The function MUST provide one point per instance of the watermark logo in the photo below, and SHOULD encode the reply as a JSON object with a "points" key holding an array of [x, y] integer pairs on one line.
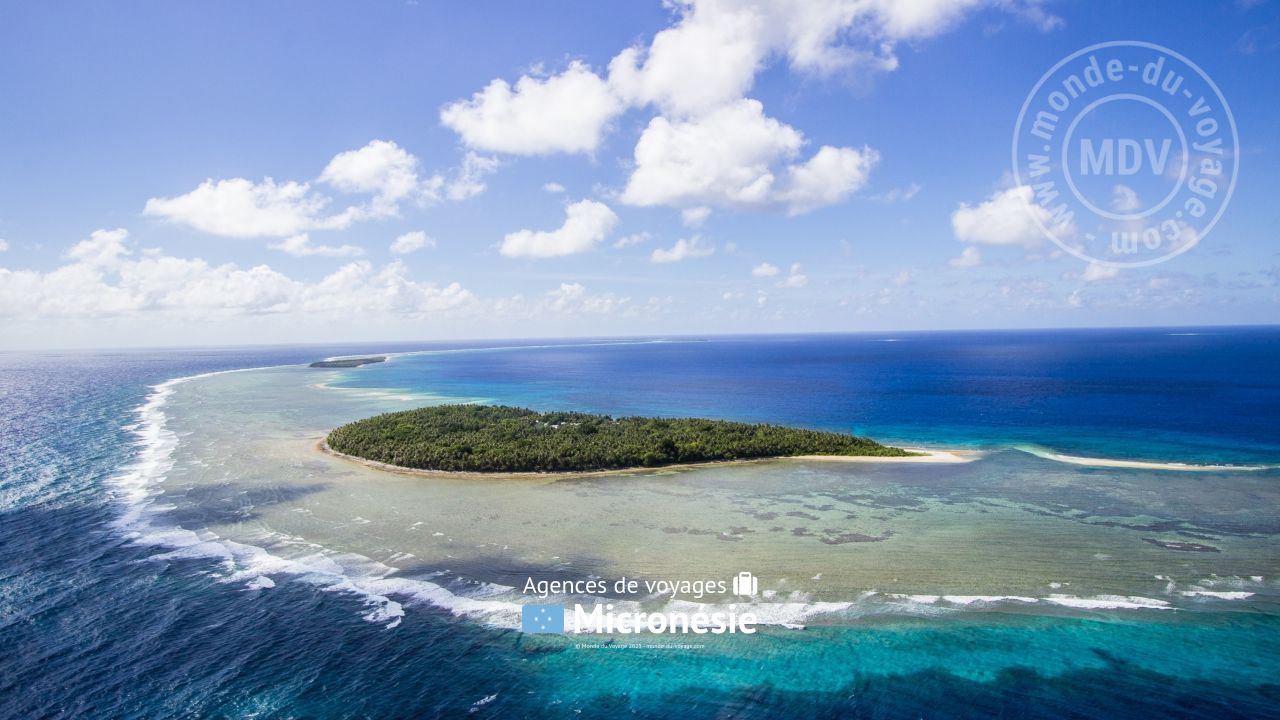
{"points": [[699, 617], [542, 619], [1130, 152]]}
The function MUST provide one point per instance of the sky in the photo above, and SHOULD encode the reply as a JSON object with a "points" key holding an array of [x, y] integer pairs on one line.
{"points": [[234, 173]]}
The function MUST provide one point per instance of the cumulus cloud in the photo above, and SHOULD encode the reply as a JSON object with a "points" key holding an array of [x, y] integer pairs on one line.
{"points": [[694, 217], [553, 187], [574, 298], [565, 113], [711, 146], [241, 208], [684, 249], [899, 194], [381, 168], [733, 157], [102, 249], [105, 278], [1007, 217], [1124, 199], [708, 58], [586, 223], [714, 50], [412, 242], [469, 180], [301, 246], [969, 257], [794, 279], [632, 239], [827, 178], [4, 245], [764, 270], [388, 174], [1097, 271], [722, 158]]}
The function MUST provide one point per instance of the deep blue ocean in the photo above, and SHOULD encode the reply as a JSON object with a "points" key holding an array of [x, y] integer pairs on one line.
{"points": [[93, 626]]}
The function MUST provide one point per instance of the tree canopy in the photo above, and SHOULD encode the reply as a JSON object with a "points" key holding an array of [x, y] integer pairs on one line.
{"points": [[496, 438]]}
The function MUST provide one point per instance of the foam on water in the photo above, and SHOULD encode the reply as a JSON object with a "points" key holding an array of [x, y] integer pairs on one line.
{"points": [[139, 487]]}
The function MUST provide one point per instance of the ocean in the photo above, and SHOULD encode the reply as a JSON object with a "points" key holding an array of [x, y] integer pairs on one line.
{"points": [[172, 543]]}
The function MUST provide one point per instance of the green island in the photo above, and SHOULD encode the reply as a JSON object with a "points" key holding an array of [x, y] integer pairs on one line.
{"points": [[501, 439]]}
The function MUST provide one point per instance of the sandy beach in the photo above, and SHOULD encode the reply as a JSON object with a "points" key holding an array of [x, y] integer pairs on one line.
{"points": [[1137, 464], [925, 456]]}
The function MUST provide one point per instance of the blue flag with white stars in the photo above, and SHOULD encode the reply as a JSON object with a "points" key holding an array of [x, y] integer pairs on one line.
{"points": [[542, 619]]}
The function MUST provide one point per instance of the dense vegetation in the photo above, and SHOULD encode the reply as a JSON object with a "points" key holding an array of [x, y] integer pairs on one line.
{"points": [[486, 438]]}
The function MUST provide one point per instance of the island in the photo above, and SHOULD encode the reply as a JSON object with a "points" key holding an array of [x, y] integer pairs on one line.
{"points": [[347, 362], [502, 439]]}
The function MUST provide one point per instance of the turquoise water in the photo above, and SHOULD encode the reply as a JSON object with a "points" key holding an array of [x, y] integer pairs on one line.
{"points": [[200, 558]]}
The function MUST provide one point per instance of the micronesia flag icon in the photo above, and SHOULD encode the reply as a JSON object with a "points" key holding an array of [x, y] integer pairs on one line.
{"points": [[542, 619]]}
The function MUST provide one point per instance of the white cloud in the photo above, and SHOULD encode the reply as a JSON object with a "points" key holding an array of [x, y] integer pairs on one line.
{"points": [[830, 176], [381, 168], [711, 55], [411, 242], [694, 217], [697, 73], [102, 249], [240, 208], [1007, 217], [586, 223], [632, 239], [765, 270], [105, 278], [574, 298], [469, 179], [300, 246], [722, 158], [563, 113], [900, 194], [1124, 199], [713, 52], [684, 249], [553, 187], [1097, 271], [708, 58], [969, 257], [713, 147], [733, 157], [4, 245], [794, 279]]}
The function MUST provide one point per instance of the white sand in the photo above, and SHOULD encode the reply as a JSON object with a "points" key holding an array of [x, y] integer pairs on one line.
{"points": [[1136, 464], [926, 456]]}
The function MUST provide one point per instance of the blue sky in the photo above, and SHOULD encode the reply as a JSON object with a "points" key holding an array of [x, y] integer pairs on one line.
{"points": [[575, 169]]}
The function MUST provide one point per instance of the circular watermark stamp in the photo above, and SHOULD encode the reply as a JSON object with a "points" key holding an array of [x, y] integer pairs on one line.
{"points": [[1129, 152]]}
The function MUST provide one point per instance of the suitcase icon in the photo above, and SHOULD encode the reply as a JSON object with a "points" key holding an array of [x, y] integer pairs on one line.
{"points": [[744, 584]]}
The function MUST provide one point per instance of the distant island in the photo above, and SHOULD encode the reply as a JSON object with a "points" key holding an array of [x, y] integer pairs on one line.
{"points": [[347, 362], [501, 439]]}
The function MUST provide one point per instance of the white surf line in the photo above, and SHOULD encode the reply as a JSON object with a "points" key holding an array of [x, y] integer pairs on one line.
{"points": [[138, 486], [1134, 464]]}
